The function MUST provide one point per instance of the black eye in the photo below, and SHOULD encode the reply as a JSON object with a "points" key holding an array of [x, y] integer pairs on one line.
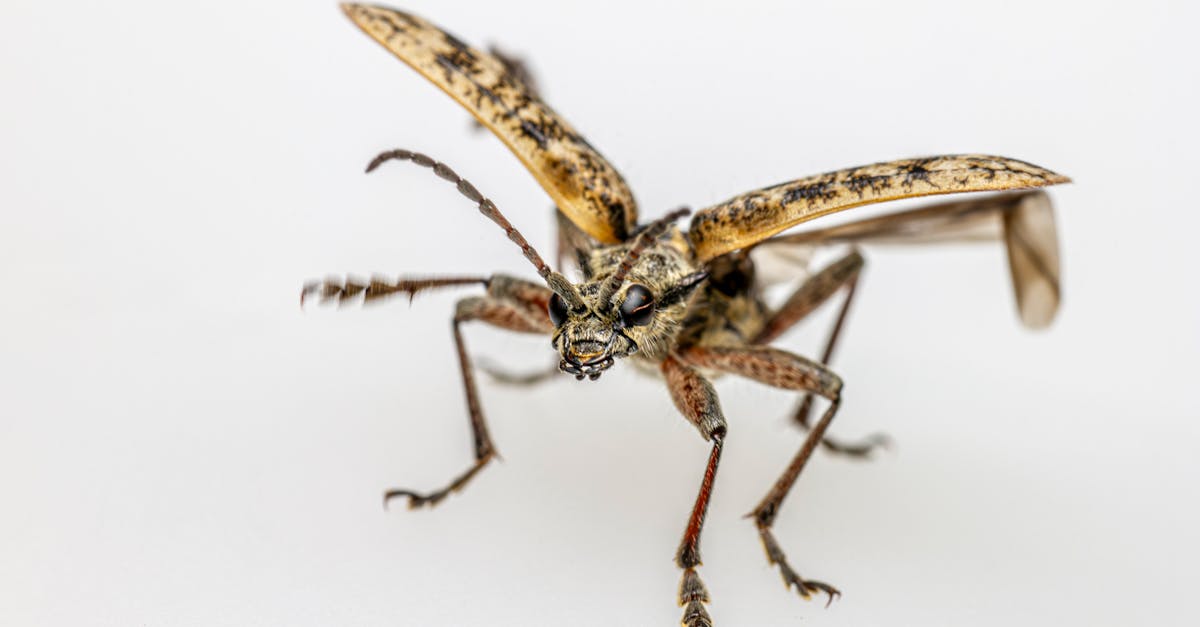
{"points": [[557, 309], [638, 308]]}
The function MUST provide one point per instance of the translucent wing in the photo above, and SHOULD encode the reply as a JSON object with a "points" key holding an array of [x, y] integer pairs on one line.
{"points": [[582, 183], [750, 218], [1024, 221], [774, 265]]}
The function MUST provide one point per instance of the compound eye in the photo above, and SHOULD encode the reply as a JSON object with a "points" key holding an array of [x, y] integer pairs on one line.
{"points": [[638, 308], [557, 310]]}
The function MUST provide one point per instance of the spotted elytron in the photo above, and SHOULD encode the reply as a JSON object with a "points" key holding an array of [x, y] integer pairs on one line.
{"points": [[687, 302]]}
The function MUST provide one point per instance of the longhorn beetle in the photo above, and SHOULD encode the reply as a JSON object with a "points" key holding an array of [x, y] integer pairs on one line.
{"points": [[687, 302]]}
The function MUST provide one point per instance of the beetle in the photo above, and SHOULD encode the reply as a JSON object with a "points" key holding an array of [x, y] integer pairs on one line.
{"points": [[687, 303]]}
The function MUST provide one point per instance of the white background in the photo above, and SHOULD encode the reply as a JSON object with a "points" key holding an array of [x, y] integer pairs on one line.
{"points": [[181, 445]]}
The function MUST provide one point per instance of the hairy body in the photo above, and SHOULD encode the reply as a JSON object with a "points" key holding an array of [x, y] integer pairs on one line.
{"points": [[686, 303]]}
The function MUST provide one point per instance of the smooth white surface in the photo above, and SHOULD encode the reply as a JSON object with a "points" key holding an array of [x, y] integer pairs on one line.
{"points": [[181, 445]]}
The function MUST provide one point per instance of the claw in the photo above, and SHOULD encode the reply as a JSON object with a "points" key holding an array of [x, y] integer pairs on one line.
{"points": [[862, 449], [505, 377], [831, 592], [415, 500], [806, 588]]}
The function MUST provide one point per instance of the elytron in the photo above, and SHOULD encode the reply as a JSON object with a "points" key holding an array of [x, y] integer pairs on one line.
{"points": [[686, 302]]}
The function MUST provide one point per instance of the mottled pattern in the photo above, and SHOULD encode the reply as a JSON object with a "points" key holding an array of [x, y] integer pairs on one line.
{"points": [[753, 217], [582, 183], [700, 309], [647, 237], [768, 365], [526, 297], [660, 267], [499, 314], [784, 370], [694, 397], [730, 311]]}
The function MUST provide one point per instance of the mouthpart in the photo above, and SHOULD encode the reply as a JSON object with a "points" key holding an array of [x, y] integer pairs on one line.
{"points": [[592, 369]]}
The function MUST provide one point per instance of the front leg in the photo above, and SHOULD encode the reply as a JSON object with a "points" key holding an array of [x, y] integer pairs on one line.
{"points": [[697, 400], [511, 303], [791, 372], [472, 308]]}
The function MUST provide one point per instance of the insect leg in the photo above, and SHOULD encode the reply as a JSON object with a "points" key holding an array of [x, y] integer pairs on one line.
{"points": [[518, 379], [816, 290], [791, 372], [484, 449], [697, 400], [339, 291], [844, 272], [512, 304]]}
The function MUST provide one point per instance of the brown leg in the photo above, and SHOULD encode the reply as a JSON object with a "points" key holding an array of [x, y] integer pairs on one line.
{"points": [[511, 303], [697, 400], [790, 372], [812, 294], [484, 449], [517, 379], [844, 272]]}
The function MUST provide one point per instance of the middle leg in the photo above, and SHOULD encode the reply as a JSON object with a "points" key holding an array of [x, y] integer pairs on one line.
{"points": [[843, 273], [696, 399], [791, 372]]}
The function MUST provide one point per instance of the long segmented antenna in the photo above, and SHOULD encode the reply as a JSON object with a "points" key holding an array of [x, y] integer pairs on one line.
{"points": [[486, 206], [644, 239]]}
